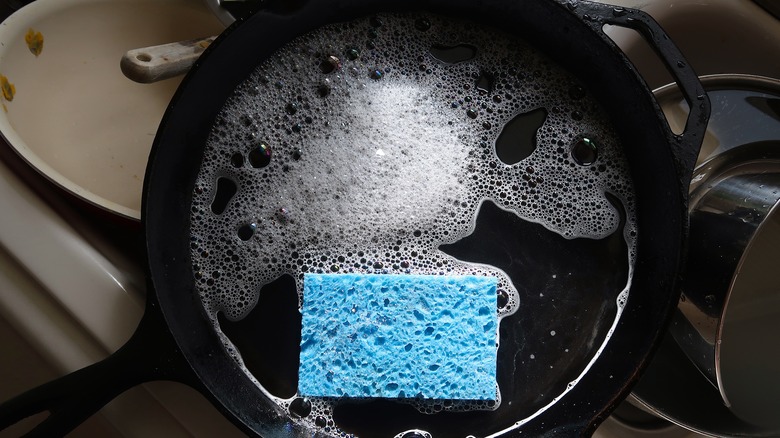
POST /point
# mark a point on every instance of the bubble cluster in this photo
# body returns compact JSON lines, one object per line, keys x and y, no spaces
{"x":364,"y":146}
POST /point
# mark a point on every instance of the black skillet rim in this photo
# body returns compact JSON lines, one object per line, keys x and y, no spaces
{"x":550,"y":26}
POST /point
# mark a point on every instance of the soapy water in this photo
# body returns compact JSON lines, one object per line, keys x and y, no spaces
{"x":365,"y":146}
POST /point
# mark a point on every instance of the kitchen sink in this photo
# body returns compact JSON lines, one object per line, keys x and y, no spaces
{"x":47,"y":313}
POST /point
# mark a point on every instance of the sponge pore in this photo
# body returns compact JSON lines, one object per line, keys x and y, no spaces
{"x":398,"y":336}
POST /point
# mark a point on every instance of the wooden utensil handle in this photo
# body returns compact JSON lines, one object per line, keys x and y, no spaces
{"x":152,"y":64}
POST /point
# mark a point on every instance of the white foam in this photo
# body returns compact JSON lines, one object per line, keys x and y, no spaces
{"x":392,"y":168}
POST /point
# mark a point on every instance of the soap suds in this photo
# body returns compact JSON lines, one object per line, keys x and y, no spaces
{"x":381,"y":152}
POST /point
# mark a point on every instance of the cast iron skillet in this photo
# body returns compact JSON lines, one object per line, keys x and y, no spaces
{"x":176,"y":341}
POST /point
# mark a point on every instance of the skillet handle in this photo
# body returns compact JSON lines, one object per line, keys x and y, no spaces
{"x":686,"y":146}
{"x":150,"y":354}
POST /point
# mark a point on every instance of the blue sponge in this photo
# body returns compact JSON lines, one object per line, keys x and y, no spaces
{"x":398,"y":336}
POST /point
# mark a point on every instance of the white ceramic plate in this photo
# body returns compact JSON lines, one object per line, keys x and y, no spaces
{"x":74,"y":116}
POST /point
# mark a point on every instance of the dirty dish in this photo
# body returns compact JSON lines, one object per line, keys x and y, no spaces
{"x":67,"y":109}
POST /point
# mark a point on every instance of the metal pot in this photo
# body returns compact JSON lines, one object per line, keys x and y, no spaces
{"x":726,"y":323}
